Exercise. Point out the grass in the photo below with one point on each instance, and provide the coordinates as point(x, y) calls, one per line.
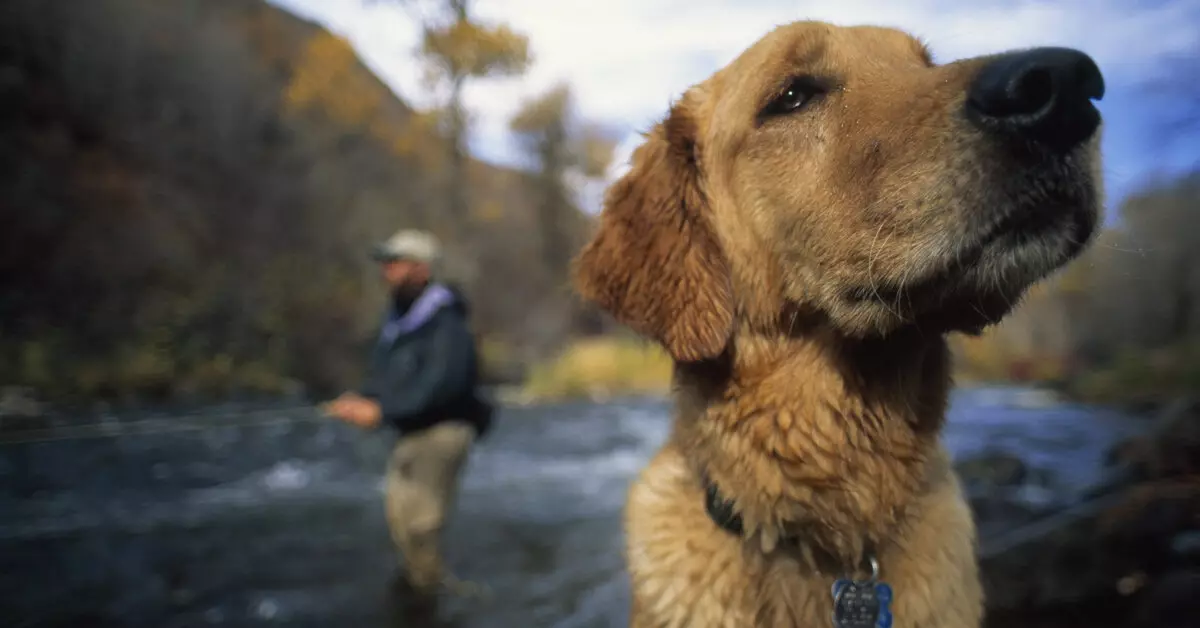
point(601, 367)
point(1136, 376)
point(989, 358)
point(151, 370)
point(154, 368)
point(1132, 376)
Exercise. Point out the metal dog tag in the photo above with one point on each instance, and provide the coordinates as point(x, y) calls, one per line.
point(862, 603)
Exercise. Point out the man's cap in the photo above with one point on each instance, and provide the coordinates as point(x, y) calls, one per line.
point(409, 244)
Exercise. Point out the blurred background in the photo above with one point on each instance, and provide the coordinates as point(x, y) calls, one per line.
point(188, 189)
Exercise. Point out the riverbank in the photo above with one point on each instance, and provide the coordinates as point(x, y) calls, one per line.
point(595, 369)
point(1139, 377)
point(246, 523)
point(604, 367)
point(598, 369)
point(1127, 554)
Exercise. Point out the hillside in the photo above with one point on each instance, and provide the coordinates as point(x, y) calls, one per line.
point(190, 188)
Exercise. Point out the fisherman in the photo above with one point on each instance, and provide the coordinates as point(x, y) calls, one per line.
point(422, 382)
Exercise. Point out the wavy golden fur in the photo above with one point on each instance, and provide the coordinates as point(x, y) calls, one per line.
point(803, 265)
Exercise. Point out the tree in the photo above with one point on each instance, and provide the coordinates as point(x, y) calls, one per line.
point(1164, 220)
point(561, 148)
point(455, 49)
point(564, 151)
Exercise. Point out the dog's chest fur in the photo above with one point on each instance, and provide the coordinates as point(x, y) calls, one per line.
point(686, 571)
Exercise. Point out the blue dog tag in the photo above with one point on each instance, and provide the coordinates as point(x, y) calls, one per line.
point(862, 603)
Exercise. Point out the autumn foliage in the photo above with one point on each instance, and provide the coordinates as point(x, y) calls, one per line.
point(191, 188)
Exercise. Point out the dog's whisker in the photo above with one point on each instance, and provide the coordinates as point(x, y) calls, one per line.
point(871, 282)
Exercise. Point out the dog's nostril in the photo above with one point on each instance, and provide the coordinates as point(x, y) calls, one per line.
point(1042, 95)
point(1032, 91)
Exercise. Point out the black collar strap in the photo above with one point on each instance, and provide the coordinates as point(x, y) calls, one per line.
point(720, 510)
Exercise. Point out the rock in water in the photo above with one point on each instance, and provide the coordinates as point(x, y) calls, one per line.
point(1173, 601)
point(992, 469)
point(1171, 449)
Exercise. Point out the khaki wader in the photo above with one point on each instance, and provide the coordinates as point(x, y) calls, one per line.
point(420, 489)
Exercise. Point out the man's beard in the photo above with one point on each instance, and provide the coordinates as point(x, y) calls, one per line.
point(406, 293)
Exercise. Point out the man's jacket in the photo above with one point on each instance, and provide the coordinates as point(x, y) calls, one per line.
point(424, 367)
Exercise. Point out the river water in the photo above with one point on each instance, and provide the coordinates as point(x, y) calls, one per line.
point(282, 525)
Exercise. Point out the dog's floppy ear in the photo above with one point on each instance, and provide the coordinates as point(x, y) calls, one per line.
point(654, 262)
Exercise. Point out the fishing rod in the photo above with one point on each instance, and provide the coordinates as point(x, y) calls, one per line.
point(195, 421)
point(185, 423)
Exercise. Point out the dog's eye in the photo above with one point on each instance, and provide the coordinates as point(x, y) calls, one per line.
point(799, 93)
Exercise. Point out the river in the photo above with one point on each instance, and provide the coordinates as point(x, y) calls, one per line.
point(281, 524)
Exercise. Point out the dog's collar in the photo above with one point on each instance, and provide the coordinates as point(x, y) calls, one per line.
point(722, 513)
point(855, 602)
point(720, 510)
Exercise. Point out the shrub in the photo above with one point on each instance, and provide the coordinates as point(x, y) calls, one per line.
point(601, 367)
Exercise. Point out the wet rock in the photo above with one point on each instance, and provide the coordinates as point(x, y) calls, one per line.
point(1170, 449)
point(1141, 529)
point(266, 609)
point(1113, 548)
point(1004, 491)
point(1177, 440)
point(1036, 496)
point(1148, 408)
point(512, 396)
point(992, 469)
point(287, 476)
point(293, 391)
point(1035, 399)
point(19, 402)
point(1187, 545)
point(1173, 601)
point(1126, 452)
point(995, 515)
point(19, 410)
point(1047, 566)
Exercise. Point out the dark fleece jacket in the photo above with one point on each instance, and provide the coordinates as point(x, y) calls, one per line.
point(424, 370)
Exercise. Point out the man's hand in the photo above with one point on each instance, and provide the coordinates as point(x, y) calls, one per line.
point(355, 410)
point(349, 395)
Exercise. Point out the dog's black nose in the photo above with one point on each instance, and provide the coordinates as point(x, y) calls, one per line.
point(1043, 95)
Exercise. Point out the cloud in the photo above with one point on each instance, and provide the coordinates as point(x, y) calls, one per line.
point(628, 59)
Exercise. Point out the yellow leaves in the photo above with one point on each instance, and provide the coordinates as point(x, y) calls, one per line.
point(984, 357)
point(488, 211)
point(467, 48)
point(418, 138)
point(328, 78)
point(146, 362)
point(548, 110)
point(546, 124)
point(34, 362)
point(266, 32)
point(601, 367)
point(596, 149)
point(993, 356)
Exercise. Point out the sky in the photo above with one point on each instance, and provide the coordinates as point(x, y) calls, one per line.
point(627, 60)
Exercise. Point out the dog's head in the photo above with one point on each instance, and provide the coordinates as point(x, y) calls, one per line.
point(840, 172)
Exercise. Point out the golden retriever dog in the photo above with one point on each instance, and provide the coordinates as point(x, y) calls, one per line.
point(800, 233)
